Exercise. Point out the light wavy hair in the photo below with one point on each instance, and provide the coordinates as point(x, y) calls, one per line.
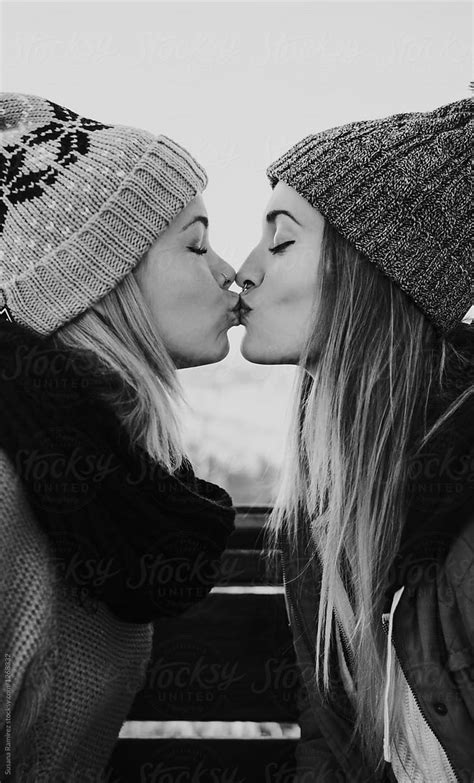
point(370, 365)
point(119, 335)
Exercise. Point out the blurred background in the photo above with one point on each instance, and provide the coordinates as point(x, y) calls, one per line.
point(237, 84)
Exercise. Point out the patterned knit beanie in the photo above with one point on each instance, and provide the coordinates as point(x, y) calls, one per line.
point(80, 204)
point(399, 190)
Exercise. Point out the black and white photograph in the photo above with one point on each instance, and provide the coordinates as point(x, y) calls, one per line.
point(236, 391)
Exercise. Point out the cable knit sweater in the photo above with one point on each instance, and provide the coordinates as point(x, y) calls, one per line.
point(55, 649)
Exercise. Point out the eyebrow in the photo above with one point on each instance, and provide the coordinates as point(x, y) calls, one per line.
point(197, 219)
point(271, 216)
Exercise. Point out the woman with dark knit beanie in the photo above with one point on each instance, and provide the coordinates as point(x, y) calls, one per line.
point(107, 284)
point(363, 277)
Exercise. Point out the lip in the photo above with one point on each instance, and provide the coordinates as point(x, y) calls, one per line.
point(234, 314)
point(234, 317)
point(244, 310)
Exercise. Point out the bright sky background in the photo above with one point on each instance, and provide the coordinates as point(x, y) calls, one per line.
point(237, 84)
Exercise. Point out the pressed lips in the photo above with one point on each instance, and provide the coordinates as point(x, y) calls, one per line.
point(234, 313)
point(244, 309)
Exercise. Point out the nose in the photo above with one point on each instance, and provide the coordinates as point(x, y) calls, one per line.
point(249, 274)
point(222, 272)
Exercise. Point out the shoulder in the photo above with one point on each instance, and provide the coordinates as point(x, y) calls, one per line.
point(22, 538)
point(27, 616)
point(455, 599)
point(457, 573)
point(12, 494)
point(7, 471)
point(14, 503)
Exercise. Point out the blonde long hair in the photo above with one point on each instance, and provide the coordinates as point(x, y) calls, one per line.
point(142, 388)
point(374, 361)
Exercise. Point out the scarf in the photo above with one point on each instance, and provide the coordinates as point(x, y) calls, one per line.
point(123, 529)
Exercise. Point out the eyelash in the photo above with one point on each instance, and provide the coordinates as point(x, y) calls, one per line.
point(280, 248)
point(200, 251)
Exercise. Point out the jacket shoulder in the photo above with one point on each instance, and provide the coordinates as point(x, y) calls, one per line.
point(459, 565)
point(455, 598)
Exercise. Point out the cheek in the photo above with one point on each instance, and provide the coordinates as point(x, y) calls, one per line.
point(290, 284)
point(277, 328)
point(172, 285)
point(185, 300)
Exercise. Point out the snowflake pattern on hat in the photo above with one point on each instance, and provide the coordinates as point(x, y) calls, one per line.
point(20, 183)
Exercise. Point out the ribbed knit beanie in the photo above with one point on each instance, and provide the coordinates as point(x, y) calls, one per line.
point(80, 203)
point(399, 190)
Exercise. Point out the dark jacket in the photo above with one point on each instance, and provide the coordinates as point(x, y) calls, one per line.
point(433, 631)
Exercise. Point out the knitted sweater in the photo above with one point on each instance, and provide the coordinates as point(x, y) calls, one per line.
point(56, 733)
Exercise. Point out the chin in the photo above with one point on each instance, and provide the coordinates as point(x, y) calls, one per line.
point(256, 352)
point(210, 356)
point(221, 353)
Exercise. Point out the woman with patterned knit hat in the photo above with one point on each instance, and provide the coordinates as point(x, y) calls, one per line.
point(107, 285)
point(363, 277)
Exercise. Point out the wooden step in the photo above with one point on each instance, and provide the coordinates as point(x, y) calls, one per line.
point(202, 761)
point(229, 658)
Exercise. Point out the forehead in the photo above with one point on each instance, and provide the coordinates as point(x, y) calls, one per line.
point(286, 198)
point(195, 208)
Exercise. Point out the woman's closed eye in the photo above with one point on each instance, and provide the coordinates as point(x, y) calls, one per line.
point(281, 247)
point(200, 251)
